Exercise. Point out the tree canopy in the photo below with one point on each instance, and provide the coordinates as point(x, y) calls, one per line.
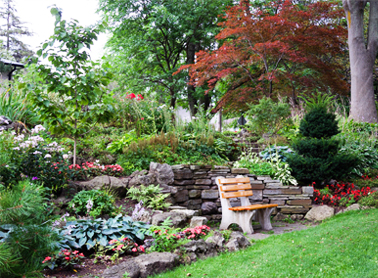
point(152, 39)
point(269, 51)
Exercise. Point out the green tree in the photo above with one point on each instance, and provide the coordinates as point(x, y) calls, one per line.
point(152, 39)
point(10, 30)
point(74, 98)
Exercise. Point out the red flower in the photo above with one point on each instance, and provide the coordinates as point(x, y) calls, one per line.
point(134, 249)
point(67, 258)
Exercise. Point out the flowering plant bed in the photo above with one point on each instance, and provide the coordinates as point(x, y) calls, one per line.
point(94, 169)
point(340, 194)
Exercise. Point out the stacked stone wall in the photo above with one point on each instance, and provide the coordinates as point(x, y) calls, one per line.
point(197, 190)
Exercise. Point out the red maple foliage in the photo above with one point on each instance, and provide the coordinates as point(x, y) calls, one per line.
point(265, 53)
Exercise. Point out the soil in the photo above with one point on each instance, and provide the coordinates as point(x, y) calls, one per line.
point(88, 267)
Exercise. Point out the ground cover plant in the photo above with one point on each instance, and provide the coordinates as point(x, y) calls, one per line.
point(343, 246)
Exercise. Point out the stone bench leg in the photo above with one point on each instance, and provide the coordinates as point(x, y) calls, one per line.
point(263, 217)
point(242, 218)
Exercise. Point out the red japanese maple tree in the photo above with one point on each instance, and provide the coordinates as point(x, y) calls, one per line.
point(269, 53)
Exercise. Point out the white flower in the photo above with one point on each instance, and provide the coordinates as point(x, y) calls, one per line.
point(37, 152)
point(37, 129)
point(6, 166)
point(89, 205)
point(16, 148)
point(47, 156)
point(13, 132)
point(65, 156)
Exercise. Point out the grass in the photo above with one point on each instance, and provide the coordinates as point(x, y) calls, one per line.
point(344, 246)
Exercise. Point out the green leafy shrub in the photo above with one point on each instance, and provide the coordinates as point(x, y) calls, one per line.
point(149, 195)
point(65, 257)
point(24, 230)
point(254, 164)
point(90, 232)
point(371, 200)
point(117, 247)
point(92, 202)
point(268, 116)
point(317, 158)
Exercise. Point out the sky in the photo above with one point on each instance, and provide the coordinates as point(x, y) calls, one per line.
point(37, 18)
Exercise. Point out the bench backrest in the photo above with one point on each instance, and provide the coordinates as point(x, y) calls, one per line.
point(234, 188)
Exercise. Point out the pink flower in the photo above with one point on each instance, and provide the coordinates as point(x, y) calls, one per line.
point(141, 248)
point(112, 241)
point(119, 247)
point(142, 118)
point(134, 249)
point(67, 258)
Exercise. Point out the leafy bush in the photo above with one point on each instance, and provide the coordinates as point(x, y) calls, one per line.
point(276, 152)
point(370, 200)
point(254, 164)
point(24, 230)
point(117, 247)
point(92, 202)
point(90, 232)
point(317, 156)
point(64, 258)
point(268, 116)
point(149, 195)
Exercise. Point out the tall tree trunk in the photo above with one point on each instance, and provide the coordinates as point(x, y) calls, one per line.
point(362, 57)
point(190, 59)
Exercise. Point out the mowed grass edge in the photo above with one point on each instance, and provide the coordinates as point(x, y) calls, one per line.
point(344, 246)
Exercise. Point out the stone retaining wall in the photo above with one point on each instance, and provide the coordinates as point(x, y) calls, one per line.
point(197, 190)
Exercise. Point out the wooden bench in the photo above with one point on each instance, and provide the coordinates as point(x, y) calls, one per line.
point(240, 187)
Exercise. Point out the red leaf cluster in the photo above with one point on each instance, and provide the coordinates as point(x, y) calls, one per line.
point(266, 53)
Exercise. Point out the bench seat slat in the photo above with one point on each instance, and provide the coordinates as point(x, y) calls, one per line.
point(234, 180)
point(229, 195)
point(253, 207)
point(236, 187)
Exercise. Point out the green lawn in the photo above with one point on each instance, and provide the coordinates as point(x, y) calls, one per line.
point(344, 246)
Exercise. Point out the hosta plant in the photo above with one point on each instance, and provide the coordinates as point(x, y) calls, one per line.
point(90, 232)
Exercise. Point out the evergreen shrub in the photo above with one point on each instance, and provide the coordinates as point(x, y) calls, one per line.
point(317, 158)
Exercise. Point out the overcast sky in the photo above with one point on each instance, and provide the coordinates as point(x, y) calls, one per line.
point(37, 18)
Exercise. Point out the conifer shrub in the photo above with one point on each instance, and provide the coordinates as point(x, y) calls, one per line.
point(24, 230)
point(316, 157)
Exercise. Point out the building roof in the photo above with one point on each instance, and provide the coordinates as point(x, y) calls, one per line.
point(8, 62)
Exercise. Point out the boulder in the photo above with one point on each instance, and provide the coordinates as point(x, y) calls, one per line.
point(352, 207)
point(198, 221)
point(142, 177)
point(320, 213)
point(237, 241)
point(199, 249)
point(178, 219)
point(156, 262)
point(217, 238)
point(163, 173)
point(118, 185)
point(130, 266)
point(209, 208)
point(143, 266)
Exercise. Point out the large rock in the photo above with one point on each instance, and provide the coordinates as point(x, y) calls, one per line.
point(143, 266)
point(118, 185)
point(179, 220)
point(198, 221)
point(199, 249)
point(142, 178)
point(209, 208)
point(5, 123)
point(320, 213)
point(163, 173)
point(237, 241)
point(217, 238)
point(156, 262)
point(130, 266)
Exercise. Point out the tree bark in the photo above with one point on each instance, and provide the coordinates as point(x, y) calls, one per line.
point(362, 57)
point(190, 59)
